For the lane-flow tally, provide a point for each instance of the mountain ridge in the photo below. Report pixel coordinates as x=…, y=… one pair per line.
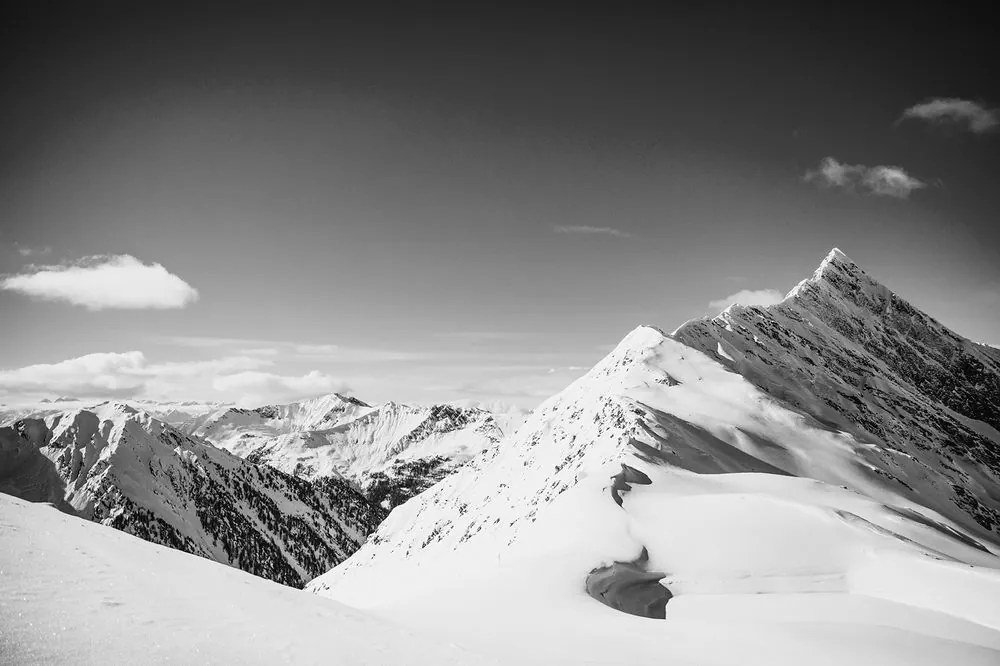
x=122, y=467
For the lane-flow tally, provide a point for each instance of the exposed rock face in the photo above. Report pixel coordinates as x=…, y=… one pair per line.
x=124, y=468
x=849, y=352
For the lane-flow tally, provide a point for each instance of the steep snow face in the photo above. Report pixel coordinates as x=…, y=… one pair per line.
x=77, y=592
x=757, y=515
x=392, y=451
x=849, y=352
x=122, y=467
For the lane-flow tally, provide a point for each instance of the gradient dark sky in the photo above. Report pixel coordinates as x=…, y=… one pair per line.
x=390, y=180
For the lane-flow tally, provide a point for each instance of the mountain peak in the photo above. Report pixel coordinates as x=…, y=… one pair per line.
x=834, y=267
x=836, y=254
x=833, y=260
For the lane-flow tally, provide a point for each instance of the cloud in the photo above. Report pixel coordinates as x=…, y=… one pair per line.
x=749, y=297
x=102, y=374
x=202, y=368
x=890, y=181
x=26, y=251
x=254, y=385
x=119, y=375
x=303, y=351
x=950, y=110
x=593, y=231
x=483, y=336
x=103, y=282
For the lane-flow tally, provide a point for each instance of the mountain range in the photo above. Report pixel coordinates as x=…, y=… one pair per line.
x=816, y=481
x=121, y=467
x=391, y=451
x=281, y=491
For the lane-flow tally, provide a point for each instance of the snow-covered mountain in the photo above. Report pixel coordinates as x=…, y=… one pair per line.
x=391, y=451
x=833, y=504
x=849, y=352
x=187, y=416
x=121, y=467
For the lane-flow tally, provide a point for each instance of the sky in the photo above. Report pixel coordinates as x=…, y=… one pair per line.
x=256, y=205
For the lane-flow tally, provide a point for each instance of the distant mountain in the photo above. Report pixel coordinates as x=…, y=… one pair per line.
x=391, y=451
x=820, y=476
x=122, y=467
x=184, y=415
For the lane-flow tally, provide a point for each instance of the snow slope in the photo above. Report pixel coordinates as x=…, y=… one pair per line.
x=392, y=451
x=77, y=592
x=121, y=467
x=780, y=537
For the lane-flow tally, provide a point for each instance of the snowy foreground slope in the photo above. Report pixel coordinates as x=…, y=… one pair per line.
x=116, y=465
x=664, y=484
x=75, y=592
x=392, y=451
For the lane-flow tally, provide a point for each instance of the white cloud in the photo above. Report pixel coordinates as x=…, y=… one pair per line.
x=121, y=374
x=257, y=387
x=974, y=116
x=26, y=251
x=102, y=282
x=891, y=181
x=749, y=297
x=102, y=374
x=584, y=229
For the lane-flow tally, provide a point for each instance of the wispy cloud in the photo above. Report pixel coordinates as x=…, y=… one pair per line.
x=748, y=297
x=950, y=110
x=488, y=339
x=889, y=181
x=302, y=350
x=26, y=251
x=593, y=231
x=104, y=282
